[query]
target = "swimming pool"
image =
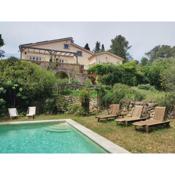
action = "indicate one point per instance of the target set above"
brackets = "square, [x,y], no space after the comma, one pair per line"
[46,137]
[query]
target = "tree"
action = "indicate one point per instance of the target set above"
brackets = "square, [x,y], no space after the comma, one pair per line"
[109,74]
[97,47]
[1,44]
[24,83]
[1,41]
[144,61]
[161,51]
[120,46]
[87,46]
[102,48]
[85,99]
[168,79]
[153,71]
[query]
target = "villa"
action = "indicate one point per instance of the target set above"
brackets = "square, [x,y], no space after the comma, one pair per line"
[65,51]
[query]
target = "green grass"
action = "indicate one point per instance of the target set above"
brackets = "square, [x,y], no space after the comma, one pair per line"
[157,141]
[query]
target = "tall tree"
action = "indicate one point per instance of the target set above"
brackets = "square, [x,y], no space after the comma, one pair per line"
[144,61]
[120,46]
[97,47]
[1,44]
[102,48]
[1,41]
[161,51]
[87,46]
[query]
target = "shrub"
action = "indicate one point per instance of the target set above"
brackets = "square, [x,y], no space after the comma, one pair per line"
[121,92]
[168,101]
[153,71]
[85,99]
[24,84]
[73,108]
[101,91]
[168,79]
[146,87]
[127,73]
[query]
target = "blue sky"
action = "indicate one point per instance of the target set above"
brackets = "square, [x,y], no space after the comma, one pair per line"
[142,36]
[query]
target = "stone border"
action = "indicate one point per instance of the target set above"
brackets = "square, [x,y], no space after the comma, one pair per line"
[99,140]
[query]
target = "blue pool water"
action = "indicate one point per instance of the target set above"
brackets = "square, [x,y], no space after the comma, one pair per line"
[45,138]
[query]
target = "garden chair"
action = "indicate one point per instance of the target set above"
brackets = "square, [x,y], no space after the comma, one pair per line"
[31,111]
[156,121]
[136,115]
[13,113]
[113,112]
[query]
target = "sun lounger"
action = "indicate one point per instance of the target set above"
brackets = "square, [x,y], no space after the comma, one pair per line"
[135,116]
[114,111]
[13,113]
[31,111]
[156,121]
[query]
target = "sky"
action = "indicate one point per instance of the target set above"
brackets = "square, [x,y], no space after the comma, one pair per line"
[142,36]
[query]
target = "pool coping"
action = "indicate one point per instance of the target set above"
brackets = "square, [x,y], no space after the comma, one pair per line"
[98,139]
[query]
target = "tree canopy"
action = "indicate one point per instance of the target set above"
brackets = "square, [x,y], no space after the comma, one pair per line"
[1,44]
[97,47]
[1,41]
[102,48]
[120,46]
[161,51]
[23,83]
[144,61]
[87,46]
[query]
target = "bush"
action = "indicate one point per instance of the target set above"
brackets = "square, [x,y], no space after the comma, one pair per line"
[85,99]
[24,83]
[168,79]
[76,110]
[146,87]
[121,92]
[154,71]
[168,101]
[73,108]
[127,73]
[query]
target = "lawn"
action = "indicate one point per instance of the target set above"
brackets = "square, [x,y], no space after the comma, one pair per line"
[158,141]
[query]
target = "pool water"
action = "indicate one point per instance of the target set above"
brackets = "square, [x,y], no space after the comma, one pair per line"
[49,137]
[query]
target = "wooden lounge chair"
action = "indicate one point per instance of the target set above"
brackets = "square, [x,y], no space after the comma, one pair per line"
[13,113]
[31,112]
[135,116]
[157,120]
[114,111]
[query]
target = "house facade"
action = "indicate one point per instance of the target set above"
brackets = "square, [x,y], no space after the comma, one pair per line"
[104,57]
[65,51]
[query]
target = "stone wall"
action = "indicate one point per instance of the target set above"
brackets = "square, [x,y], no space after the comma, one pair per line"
[148,108]
[76,101]
[74,71]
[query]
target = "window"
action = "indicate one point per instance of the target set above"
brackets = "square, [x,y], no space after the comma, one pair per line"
[79,53]
[33,58]
[66,46]
[25,53]
[62,61]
